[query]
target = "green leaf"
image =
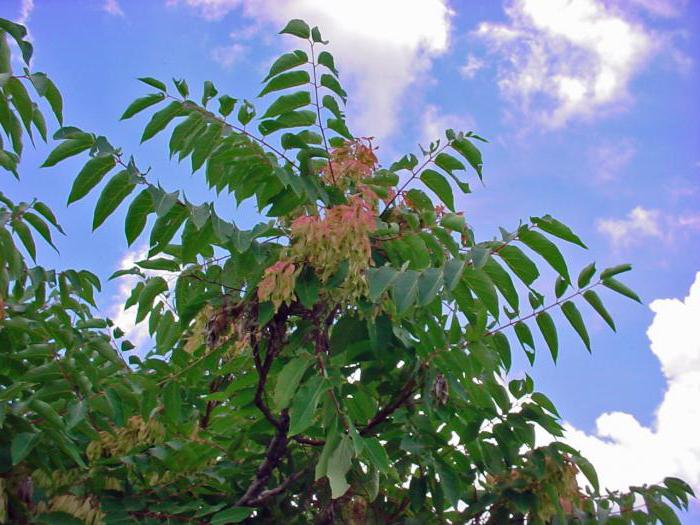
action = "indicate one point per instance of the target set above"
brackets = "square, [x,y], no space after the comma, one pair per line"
[53,97]
[453,221]
[153,83]
[142,103]
[439,185]
[429,284]
[304,405]
[610,272]
[22,445]
[232,515]
[375,452]
[549,332]
[91,174]
[286,81]
[293,119]
[560,286]
[620,288]
[25,236]
[330,82]
[136,216]
[587,469]
[21,101]
[46,212]
[594,300]
[154,286]
[205,144]
[287,62]
[584,278]
[448,163]
[172,402]
[114,192]
[287,103]
[404,290]
[470,152]
[288,381]
[519,263]
[209,91]
[545,248]
[316,36]
[326,59]
[339,464]
[453,273]
[479,282]
[68,148]
[161,119]
[379,280]
[307,287]
[574,317]
[552,226]
[449,482]
[297,28]
[40,226]
[524,335]
[503,282]
[226,105]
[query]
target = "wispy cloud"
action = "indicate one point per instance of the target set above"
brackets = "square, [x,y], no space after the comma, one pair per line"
[381,46]
[227,56]
[567,59]
[25,11]
[642,224]
[472,66]
[209,9]
[670,446]
[662,8]
[610,158]
[434,122]
[113,8]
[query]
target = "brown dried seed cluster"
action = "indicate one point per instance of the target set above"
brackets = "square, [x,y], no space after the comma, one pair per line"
[136,433]
[85,509]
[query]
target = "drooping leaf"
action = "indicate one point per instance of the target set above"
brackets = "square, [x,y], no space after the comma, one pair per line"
[114,192]
[549,333]
[91,174]
[620,288]
[594,300]
[574,317]
[439,185]
[545,248]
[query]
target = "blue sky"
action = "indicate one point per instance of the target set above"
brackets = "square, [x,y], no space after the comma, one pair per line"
[592,111]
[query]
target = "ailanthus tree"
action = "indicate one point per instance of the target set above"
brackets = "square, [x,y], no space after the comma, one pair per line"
[341,362]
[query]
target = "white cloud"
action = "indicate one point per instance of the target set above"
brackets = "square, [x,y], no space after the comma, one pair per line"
[642,224]
[471,66]
[227,56]
[126,319]
[434,123]
[381,46]
[113,8]
[624,451]
[610,158]
[566,59]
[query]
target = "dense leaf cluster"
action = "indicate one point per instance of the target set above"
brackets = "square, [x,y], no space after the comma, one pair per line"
[341,362]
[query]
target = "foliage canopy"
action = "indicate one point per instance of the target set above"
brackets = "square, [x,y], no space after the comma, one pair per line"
[341,362]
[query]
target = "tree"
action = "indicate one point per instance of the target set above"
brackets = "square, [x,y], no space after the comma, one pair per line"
[340,362]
